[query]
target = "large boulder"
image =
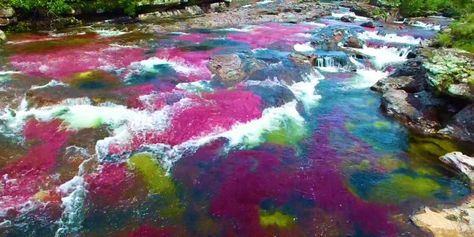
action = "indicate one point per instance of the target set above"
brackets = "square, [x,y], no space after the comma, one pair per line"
[451,222]
[406,83]
[231,69]
[451,72]
[462,163]
[413,110]
[462,125]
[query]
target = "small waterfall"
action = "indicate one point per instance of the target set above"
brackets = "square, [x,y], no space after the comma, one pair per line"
[326,62]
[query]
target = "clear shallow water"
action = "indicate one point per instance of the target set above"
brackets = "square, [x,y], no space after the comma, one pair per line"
[129,135]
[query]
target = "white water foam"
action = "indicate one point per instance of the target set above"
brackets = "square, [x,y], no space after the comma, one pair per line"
[389,38]
[383,56]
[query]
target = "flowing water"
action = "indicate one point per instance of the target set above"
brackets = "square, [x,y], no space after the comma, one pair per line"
[108,133]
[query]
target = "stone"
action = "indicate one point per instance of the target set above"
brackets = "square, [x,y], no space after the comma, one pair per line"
[347,18]
[406,83]
[232,69]
[451,222]
[461,126]
[369,24]
[410,110]
[3,37]
[462,163]
[7,12]
[353,42]
[451,72]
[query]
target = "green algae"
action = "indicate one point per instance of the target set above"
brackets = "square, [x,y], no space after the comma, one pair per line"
[158,183]
[399,188]
[153,174]
[276,218]
[288,134]
[431,146]
[382,125]
[390,163]
[95,79]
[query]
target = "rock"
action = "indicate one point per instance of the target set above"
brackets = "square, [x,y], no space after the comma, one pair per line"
[451,72]
[232,69]
[457,221]
[347,18]
[353,42]
[368,24]
[453,222]
[406,83]
[410,110]
[462,125]
[3,37]
[7,12]
[461,162]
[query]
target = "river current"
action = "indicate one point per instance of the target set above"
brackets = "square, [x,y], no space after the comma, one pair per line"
[111,133]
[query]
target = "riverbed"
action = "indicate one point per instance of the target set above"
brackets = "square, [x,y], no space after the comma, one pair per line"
[124,133]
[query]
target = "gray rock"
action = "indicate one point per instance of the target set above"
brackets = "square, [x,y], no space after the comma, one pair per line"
[231,69]
[347,19]
[410,110]
[406,83]
[460,162]
[462,125]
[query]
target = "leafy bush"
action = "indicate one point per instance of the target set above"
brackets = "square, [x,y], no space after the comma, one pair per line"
[58,7]
[461,34]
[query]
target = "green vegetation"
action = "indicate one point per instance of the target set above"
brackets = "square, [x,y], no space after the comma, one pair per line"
[460,35]
[60,7]
[411,8]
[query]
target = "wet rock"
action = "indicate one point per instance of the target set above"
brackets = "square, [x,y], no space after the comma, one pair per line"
[347,19]
[410,110]
[462,163]
[232,69]
[369,24]
[406,83]
[353,42]
[451,72]
[456,221]
[462,125]
[272,94]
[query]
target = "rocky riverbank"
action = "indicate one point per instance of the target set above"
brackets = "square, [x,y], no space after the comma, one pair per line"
[455,221]
[432,94]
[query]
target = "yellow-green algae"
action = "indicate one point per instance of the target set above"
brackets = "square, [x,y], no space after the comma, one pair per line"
[382,125]
[399,188]
[276,218]
[389,163]
[290,133]
[154,176]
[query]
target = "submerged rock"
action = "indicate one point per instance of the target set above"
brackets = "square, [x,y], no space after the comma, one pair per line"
[456,221]
[232,69]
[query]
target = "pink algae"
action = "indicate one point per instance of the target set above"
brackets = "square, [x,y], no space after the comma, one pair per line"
[109,185]
[212,112]
[195,61]
[64,63]
[265,35]
[194,37]
[22,179]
